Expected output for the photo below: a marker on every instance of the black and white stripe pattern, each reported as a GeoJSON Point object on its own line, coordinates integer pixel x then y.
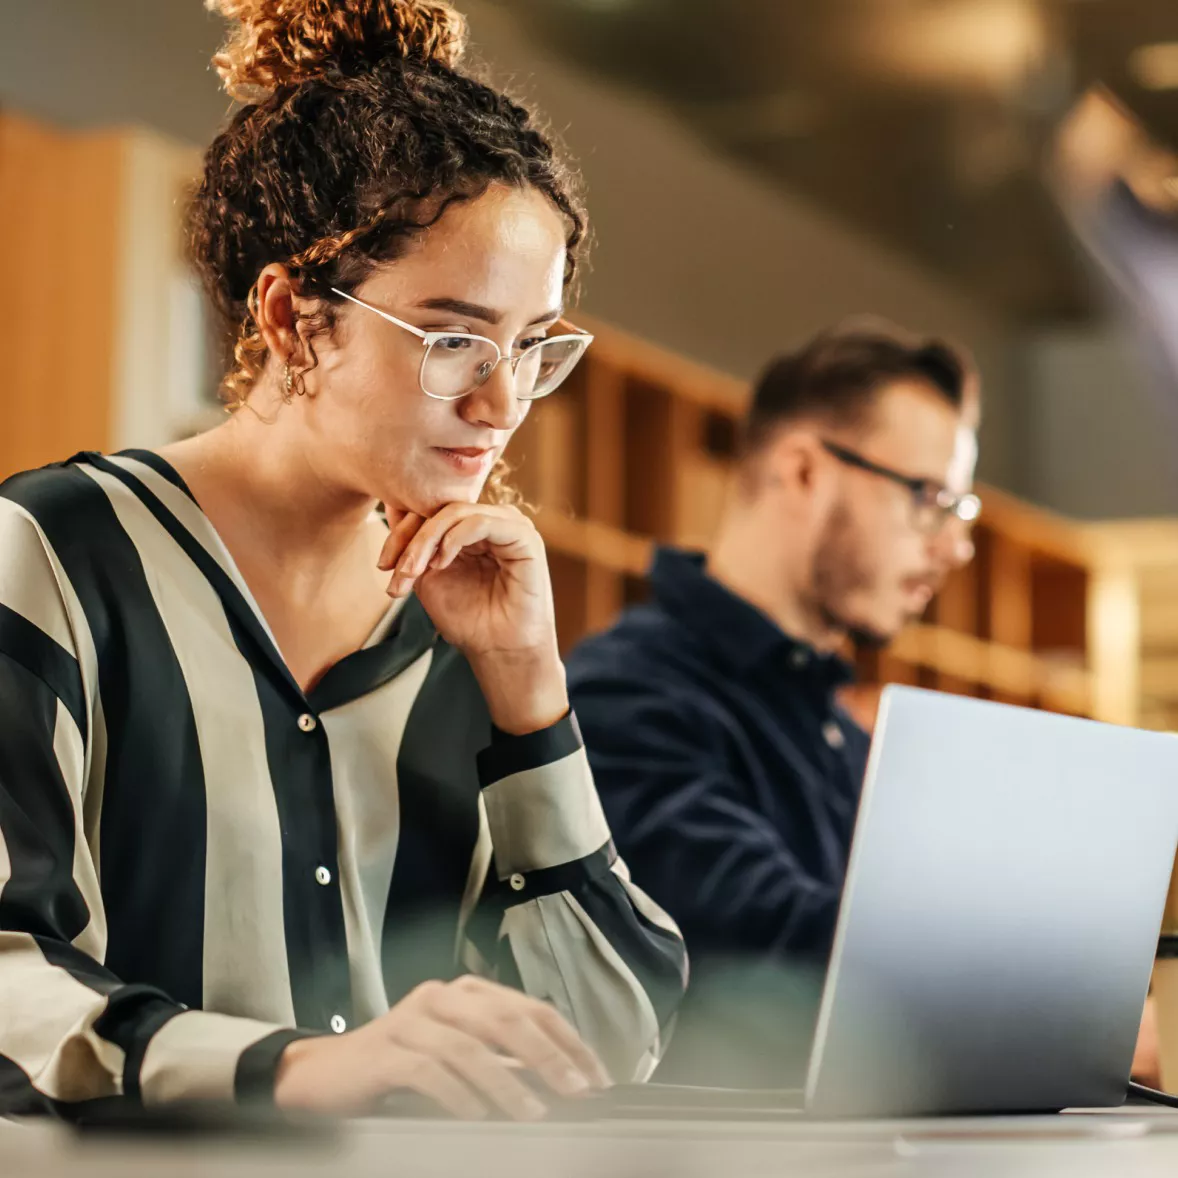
{"type": "Point", "coordinates": [199, 862]}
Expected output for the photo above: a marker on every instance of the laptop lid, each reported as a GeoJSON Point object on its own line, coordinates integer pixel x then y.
{"type": "Point", "coordinates": [1001, 912]}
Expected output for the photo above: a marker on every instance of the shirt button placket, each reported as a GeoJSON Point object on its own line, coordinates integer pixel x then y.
{"type": "Point", "coordinates": [323, 877]}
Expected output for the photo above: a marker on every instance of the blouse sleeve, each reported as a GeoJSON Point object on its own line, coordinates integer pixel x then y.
{"type": "Point", "coordinates": [575, 930]}
{"type": "Point", "coordinates": [70, 1030]}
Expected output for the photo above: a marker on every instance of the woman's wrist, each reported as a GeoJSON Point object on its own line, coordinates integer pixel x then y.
{"type": "Point", "coordinates": [286, 1088]}
{"type": "Point", "coordinates": [526, 691]}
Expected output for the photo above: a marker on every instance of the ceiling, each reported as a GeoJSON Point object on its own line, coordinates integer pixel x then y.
{"type": "Point", "coordinates": [921, 121]}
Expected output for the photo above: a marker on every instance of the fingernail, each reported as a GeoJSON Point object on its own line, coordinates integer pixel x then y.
{"type": "Point", "coordinates": [534, 1109]}
{"type": "Point", "coordinates": [574, 1083]}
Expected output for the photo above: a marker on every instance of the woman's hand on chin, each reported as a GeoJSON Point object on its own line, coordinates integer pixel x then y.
{"type": "Point", "coordinates": [481, 573]}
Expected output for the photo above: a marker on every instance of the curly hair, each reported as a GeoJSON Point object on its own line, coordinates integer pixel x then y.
{"type": "Point", "coordinates": [359, 130]}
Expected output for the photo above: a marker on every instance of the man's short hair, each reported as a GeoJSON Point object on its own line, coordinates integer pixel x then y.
{"type": "Point", "coordinates": [836, 375]}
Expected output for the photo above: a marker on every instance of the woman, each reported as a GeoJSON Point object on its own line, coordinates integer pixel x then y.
{"type": "Point", "coordinates": [248, 804]}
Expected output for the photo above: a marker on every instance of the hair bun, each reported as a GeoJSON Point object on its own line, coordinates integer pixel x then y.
{"type": "Point", "coordinates": [285, 42]}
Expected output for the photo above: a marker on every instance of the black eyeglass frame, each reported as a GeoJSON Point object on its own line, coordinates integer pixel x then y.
{"type": "Point", "coordinates": [927, 494]}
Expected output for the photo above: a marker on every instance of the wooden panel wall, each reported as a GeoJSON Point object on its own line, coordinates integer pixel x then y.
{"type": "Point", "coordinates": [59, 254]}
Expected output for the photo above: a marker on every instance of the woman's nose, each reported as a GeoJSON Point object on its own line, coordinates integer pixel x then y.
{"type": "Point", "coordinates": [495, 403]}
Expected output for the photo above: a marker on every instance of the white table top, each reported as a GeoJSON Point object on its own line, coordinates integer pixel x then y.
{"type": "Point", "coordinates": [1127, 1144]}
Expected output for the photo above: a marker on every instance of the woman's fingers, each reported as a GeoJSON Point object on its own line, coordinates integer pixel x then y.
{"type": "Point", "coordinates": [400, 536]}
{"type": "Point", "coordinates": [466, 1057]}
{"type": "Point", "coordinates": [422, 1073]}
{"type": "Point", "coordinates": [564, 1034]}
{"type": "Point", "coordinates": [418, 551]}
{"type": "Point", "coordinates": [529, 1030]}
{"type": "Point", "coordinates": [533, 1047]}
{"type": "Point", "coordinates": [442, 538]}
{"type": "Point", "coordinates": [464, 534]}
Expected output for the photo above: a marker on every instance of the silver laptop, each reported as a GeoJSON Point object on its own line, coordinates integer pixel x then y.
{"type": "Point", "coordinates": [1001, 912]}
{"type": "Point", "coordinates": [998, 925]}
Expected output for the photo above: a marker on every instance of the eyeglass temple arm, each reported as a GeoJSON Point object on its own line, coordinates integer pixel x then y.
{"type": "Point", "coordinates": [383, 314]}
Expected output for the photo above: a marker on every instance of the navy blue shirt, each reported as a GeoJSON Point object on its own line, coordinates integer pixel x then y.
{"type": "Point", "coordinates": [729, 772]}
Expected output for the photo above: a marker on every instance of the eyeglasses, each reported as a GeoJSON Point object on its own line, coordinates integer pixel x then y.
{"type": "Point", "coordinates": [455, 364]}
{"type": "Point", "coordinates": [933, 505]}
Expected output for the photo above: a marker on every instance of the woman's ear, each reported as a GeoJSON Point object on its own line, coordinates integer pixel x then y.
{"type": "Point", "coordinates": [276, 315]}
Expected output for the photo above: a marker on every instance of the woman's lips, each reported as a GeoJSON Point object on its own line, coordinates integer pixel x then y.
{"type": "Point", "coordinates": [467, 460]}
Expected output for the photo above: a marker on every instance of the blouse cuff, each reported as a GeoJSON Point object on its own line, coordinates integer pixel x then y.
{"type": "Point", "coordinates": [200, 1055]}
{"type": "Point", "coordinates": [542, 806]}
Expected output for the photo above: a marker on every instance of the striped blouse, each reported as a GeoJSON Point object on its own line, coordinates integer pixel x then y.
{"type": "Point", "coordinates": [200, 862]}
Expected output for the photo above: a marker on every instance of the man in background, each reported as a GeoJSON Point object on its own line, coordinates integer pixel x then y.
{"type": "Point", "coordinates": [727, 766]}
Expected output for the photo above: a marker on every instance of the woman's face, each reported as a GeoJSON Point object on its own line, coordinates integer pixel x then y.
{"type": "Point", "coordinates": [493, 267]}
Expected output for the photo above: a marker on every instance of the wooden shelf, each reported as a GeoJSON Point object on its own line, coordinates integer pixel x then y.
{"type": "Point", "coordinates": [638, 449]}
{"type": "Point", "coordinates": [1140, 563]}
{"type": "Point", "coordinates": [1056, 685]}
{"type": "Point", "coordinates": [595, 543]}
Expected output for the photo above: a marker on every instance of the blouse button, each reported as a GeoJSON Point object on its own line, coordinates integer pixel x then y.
{"type": "Point", "coordinates": [518, 883]}
{"type": "Point", "coordinates": [322, 876]}
{"type": "Point", "coordinates": [307, 722]}
{"type": "Point", "coordinates": [338, 1024]}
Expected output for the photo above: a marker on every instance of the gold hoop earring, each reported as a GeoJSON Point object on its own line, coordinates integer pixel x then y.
{"type": "Point", "coordinates": [294, 385]}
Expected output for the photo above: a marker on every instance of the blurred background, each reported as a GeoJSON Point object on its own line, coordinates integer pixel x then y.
{"type": "Point", "coordinates": [995, 170]}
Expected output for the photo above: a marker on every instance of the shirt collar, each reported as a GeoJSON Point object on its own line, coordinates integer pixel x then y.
{"type": "Point", "coordinates": [405, 638]}
{"type": "Point", "coordinates": [742, 635]}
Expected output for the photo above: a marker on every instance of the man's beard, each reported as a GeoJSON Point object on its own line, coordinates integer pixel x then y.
{"type": "Point", "coordinates": [839, 572]}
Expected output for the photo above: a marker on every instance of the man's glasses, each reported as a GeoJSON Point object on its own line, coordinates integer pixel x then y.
{"type": "Point", "coordinates": [933, 505]}
{"type": "Point", "coordinates": [456, 364]}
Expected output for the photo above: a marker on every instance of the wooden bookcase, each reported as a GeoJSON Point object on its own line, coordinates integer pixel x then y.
{"type": "Point", "coordinates": [1141, 556]}
{"type": "Point", "coordinates": [637, 449]}
{"type": "Point", "coordinates": [106, 320]}
{"type": "Point", "coordinates": [60, 200]}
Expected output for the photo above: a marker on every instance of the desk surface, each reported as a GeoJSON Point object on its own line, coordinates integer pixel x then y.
{"type": "Point", "coordinates": [1127, 1144]}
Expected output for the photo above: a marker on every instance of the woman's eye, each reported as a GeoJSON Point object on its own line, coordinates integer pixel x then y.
{"type": "Point", "coordinates": [454, 343]}
{"type": "Point", "coordinates": [525, 344]}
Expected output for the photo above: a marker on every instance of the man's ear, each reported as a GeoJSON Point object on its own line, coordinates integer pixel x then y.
{"type": "Point", "coordinates": [792, 461]}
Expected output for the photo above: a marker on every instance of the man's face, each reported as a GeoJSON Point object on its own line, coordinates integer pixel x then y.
{"type": "Point", "coordinates": [876, 565]}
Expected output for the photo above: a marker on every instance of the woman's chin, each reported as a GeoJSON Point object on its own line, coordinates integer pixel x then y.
{"type": "Point", "coordinates": [428, 501]}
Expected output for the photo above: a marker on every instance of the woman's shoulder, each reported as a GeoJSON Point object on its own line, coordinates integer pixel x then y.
{"type": "Point", "coordinates": [53, 496]}
{"type": "Point", "coordinates": [64, 502]}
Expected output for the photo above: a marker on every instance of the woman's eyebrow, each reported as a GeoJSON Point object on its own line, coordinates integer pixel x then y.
{"type": "Point", "coordinates": [463, 308]}
{"type": "Point", "coordinates": [478, 311]}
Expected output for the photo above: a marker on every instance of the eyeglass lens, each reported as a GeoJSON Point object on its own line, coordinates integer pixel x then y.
{"type": "Point", "coordinates": [456, 365]}
{"type": "Point", "coordinates": [934, 511]}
